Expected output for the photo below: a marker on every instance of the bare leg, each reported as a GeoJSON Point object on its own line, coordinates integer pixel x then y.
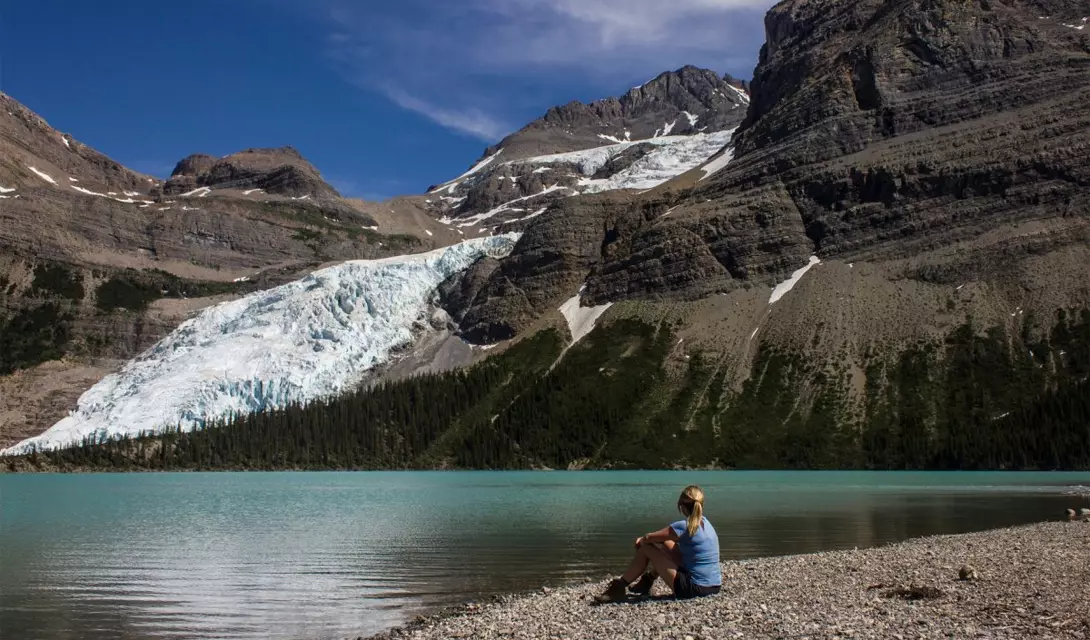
{"type": "Point", "coordinates": [661, 560]}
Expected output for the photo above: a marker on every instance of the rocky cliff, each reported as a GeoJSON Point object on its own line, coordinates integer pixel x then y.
{"type": "Point", "coordinates": [281, 172]}
{"type": "Point", "coordinates": [648, 136]}
{"type": "Point", "coordinates": [877, 130]}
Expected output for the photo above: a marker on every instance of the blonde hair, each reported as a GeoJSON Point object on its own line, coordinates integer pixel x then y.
{"type": "Point", "coordinates": [691, 504]}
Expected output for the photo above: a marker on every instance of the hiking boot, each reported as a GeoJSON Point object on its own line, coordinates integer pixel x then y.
{"type": "Point", "coordinates": [615, 592]}
{"type": "Point", "coordinates": [643, 587]}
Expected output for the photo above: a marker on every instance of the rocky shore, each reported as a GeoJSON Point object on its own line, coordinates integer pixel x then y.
{"type": "Point", "coordinates": [1026, 582]}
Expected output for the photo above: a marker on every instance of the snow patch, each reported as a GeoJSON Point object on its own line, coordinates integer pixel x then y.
{"type": "Point", "coordinates": [43, 175]}
{"type": "Point", "coordinates": [309, 339]}
{"type": "Point", "coordinates": [449, 187]}
{"type": "Point", "coordinates": [250, 191]}
{"type": "Point", "coordinates": [717, 164]}
{"type": "Point", "coordinates": [741, 94]}
{"type": "Point", "coordinates": [111, 195]}
{"type": "Point", "coordinates": [428, 232]}
{"type": "Point", "coordinates": [71, 179]}
{"type": "Point", "coordinates": [6, 189]}
{"type": "Point", "coordinates": [529, 217]}
{"type": "Point", "coordinates": [306, 197]}
{"type": "Point", "coordinates": [65, 141]}
{"type": "Point", "coordinates": [581, 320]}
{"type": "Point", "coordinates": [199, 192]}
{"type": "Point", "coordinates": [668, 128]}
{"type": "Point", "coordinates": [474, 220]}
{"type": "Point", "coordinates": [691, 117]}
{"type": "Point", "coordinates": [789, 284]}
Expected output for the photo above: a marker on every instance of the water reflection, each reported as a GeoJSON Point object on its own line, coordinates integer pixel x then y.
{"type": "Point", "coordinates": [334, 555]}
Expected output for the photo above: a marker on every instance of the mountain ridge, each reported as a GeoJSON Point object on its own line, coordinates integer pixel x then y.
{"type": "Point", "coordinates": [925, 161]}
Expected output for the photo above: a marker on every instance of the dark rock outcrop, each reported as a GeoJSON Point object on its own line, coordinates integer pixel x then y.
{"type": "Point", "coordinates": [276, 171]}
{"type": "Point", "coordinates": [194, 165]}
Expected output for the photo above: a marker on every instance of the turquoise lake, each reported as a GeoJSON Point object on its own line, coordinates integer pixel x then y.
{"type": "Point", "coordinates": [332, 555]}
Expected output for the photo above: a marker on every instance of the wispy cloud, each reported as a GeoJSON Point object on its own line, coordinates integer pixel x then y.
{"type": "Point", "coordinates": [468, 64]}
{"type": "Point", "coordinates": [466, 120]}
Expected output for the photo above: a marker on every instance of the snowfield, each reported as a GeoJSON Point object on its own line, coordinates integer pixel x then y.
{"type": "Point", "coordinates": [677, 150]}
{"type": "Point", "coordinates": [308, 339]}
{"type": "Point", "coordinates": [663, 163]}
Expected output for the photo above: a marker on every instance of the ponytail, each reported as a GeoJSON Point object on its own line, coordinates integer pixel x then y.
{"type": "Point", "coordinates": [694, 518]}
{"type": "Point", "coordinates": [691, 504]}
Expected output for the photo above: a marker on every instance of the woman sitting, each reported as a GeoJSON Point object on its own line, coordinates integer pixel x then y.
{"type": "Point", "coordinates": [685, 555]}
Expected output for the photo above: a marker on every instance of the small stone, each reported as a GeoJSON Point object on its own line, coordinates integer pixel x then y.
{"type": "Point", "coordinates": [968, 572]}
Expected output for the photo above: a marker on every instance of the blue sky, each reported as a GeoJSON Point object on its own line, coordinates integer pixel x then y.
{"type": "Point", "coordinates": [385, 98]}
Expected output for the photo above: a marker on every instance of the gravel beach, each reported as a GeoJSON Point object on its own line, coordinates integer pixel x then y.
{"type": "Point", "coordinates": [1026, 582]}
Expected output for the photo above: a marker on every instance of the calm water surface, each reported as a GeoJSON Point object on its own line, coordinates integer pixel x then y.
{"type": "Point", "coordinates": [330, 555]}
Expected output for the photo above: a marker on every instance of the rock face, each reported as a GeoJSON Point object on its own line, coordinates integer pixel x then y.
{"type": "Point", "coordinates": [686, 101]}
{"type": "Point", "coordinates": [97, 262]}
{"type": "Point", "coordinates": [635, 142]}
{"type": "Point", "coordinates": [878, 130]}
{"type": "Point", "coordinates": [275, 171]}
{"type": "Point", "coordinates": [27, 140]}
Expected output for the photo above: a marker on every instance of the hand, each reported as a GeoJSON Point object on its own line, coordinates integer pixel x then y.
{"type": "Point", "coordinates": [639, 541]}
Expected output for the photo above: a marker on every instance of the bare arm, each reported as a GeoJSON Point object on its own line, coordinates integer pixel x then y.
{"type": "Point", "coordinates": [658, 537]}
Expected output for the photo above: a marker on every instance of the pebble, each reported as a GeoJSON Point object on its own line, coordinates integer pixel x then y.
{"type": "Point", "coordinates": [1036, 586]}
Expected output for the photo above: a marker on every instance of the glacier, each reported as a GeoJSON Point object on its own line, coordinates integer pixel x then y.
{"type": "Point", "coordinates": [308, 339]}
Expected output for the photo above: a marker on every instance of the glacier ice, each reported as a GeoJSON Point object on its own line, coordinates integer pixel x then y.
{"type": "Point", "coordinates": [663, 163]}
{"type": "Point", "coordinates": [307, 339]}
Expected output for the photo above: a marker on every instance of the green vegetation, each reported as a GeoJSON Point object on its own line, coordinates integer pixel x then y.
{"type": "Point", "coordinates": [32, 336]}
{"type": "Point", "coordinates": [57, 280]}
{"type": "Point", "coordinates": [134, 290]}
{"type": "Point", "coordinates": [980, 399]}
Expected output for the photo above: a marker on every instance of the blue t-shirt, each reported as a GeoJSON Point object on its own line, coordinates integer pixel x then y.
{"type": "Point", "coordinates": [700, 553]}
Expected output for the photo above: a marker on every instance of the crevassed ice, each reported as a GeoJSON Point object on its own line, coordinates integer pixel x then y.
{"type": "Point", "coordinates": [307, 339]}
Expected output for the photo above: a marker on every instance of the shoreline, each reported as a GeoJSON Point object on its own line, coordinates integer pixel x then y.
{"type": "Point", "coordinates": [1033, 581]}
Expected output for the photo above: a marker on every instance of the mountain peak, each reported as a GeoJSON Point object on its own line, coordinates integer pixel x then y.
{"type": "Point", "coordinates": [279, 170]}
{"type": "Point", "coordinates": [685, 101]}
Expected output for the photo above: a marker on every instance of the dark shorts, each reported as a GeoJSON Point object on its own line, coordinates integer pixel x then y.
{"type": "Point", "coordinates": [684, 588]}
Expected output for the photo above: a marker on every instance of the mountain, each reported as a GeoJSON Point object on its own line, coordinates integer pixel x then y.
{"type": "Point", "coordinates": [282, 172]}
{"type": "Point", "coordinates": [313, 338]}
{"type": "Point", "coordinates": [887, 131]}
{"type": "Point", "coordinates": [638, 141]}
{"type": "Point", "coordinates": [98, 262]}
{"type": "Point", "coordinates": [886, 267]}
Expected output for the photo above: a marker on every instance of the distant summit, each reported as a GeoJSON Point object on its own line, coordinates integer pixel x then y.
{"type": "Point", "coordinates": [280, 171]}
{"type": "Point", "coordinates": [648, 136]}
